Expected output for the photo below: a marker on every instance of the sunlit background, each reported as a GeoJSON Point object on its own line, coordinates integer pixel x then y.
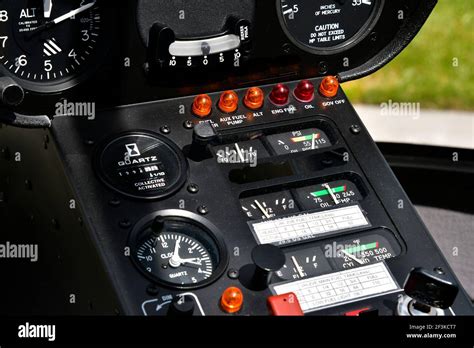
{"type": "Point", "coordinates": [436, 70]}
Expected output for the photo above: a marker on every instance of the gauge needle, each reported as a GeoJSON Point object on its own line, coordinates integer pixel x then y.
{"type": "Point", "coordinates": [298, 267]}
{"type": "Point", "coordinates": [47, 8]}
{"type": "Point", "coordinates": [73, 12]}
{"type": "Point", "coordinates": [239, 152]}
{"type": "Point", "coordinates": [62, 18]}
{"type": "Point", "coordinates": [313, 142]}
{"type": "Point", "coordinates": [334, 198]}
{"type": "Point", "coordinates": [263, 210]}
{"type": "Point", "coordinates": [353, 257]}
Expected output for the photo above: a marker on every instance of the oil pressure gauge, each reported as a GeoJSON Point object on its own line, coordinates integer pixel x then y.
{"type": "Point", "coordinates": [298, 141]}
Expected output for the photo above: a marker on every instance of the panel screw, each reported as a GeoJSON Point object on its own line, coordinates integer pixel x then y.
{"type": "Point", "coordinates": [355, 129]}
{"type": "Point", "coordinates": [89, 142]}
{"type": "Point", "coordinates": [323, 68]}
{"type": "Point", "coordinates": [233, 273]}
{"type": "Point", "coordinates": [193, 188]}
{"type": "Point", "coordinates": [152, 290]}
{"type": "Point", "coordinates": [114, 202]}
{"type": "Point", "coordinates": [203, 210]}
{"type": "Point", "coordinates": [28, 185]}
{"type": "Point", "coordinates": [188, 124]}
{"type": "Point", "coordinates": [439, 270]}
{"type": "Point", "coordinates": [165, 129]}
{"type": "Point", "coordinates": [125, 223]}
{"type": "Point", "coordinates": [373, 36]}
{"type": "Point", "coordinates": [55, 223]}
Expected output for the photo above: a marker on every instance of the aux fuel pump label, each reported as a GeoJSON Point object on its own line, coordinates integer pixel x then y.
{"type": "Point", "coordinates": [142, 165]}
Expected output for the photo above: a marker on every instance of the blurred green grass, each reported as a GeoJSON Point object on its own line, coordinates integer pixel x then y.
{"type": "Point", "coordinates": [424, 72]}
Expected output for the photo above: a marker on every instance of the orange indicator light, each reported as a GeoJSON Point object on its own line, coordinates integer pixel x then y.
{"type": "Point", "coordinates": [329, 87]}
{"type": "Point", "coordinates": [202, 105]}
{"type": "Point", "coordinates": [232, 300]}
{"type": "Point", "coordinates": [229, 101]}
{"type": "Point", "coordinates": [254, 98]}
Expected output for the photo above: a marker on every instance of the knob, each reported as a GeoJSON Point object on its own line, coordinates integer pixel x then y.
{"type": "Point", "coordinates": [11, 93]}
{"type": "Point", "coordinates": [181, 307]}
{"type": "Point", "coordinates": [266, 259]}
{"type": "Point", "coordinates": [427, 293]}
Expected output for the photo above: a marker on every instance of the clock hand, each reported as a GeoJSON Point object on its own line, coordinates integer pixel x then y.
{"type": "Point", "coordinates": [195, 261]}
{"type": "Point", "coordinates": [175, 260]}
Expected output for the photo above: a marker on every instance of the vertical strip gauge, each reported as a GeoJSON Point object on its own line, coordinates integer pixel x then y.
{"type": "Point", "coordinates": [328, 26]}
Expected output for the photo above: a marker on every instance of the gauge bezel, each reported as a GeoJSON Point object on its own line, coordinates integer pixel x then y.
{"type": "Point", "coordinates": [182, 162]}
{"type": "Point", "coordinates": [181, 215]}
{"type": "Point", "coordinates": [360, 35]}
{"type": "Point", "coordinates": [97, 58]}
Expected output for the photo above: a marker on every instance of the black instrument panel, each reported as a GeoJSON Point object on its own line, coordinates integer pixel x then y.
{"type": "Point", "coordinates": [199, 191]}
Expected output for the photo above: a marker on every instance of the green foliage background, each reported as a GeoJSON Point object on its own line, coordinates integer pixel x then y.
{"type": "Point", "coordinates": [424, 72]}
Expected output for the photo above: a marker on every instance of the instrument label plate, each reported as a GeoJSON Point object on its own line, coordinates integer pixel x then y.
{"type": "Point", "coordinates": [338, 288]}
{"type": "Point", "coordinates": [304, 226]}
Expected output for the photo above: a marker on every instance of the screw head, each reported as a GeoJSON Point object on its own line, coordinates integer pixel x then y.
{"type": "Point", "coordinates": [125, 223]}
{"type": "Point", "coordinates": [203, 210]}
{"type": "Point", "coordinates": [152, 290]}
{"type": "Point", "coordinates": [165, 129]}
{"type": "Point", "coordinates": [323, 68]}
{"type": "Point", "coordinates": [193, 188]}
{"type": "Point", "coordinates": [355, 129]}
{"type": "Point", "coordinates": [188, 124]}
{"type": "Point", "coordinates": [114, 202]}
{"type": "Point", "coordinates": [233, 273]}
{"type": "Point", "coordinates": [439, 270]}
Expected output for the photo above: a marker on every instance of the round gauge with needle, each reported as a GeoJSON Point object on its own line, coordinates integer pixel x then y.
{"type": "Point", "coordinates": [364, 249]}
{"type": "Point", "coordinates": [304, 263]}
{"type": "Point", "coordinates": [269, 205]}
{"type": "Point", "coordinates": [179, 252]}
{"type": "Point", "coordinates": [46, 45]}
{"type": "Point", "coordinates": [326, 195]}
{"type": "Point", "coordinates": [298, 141]}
